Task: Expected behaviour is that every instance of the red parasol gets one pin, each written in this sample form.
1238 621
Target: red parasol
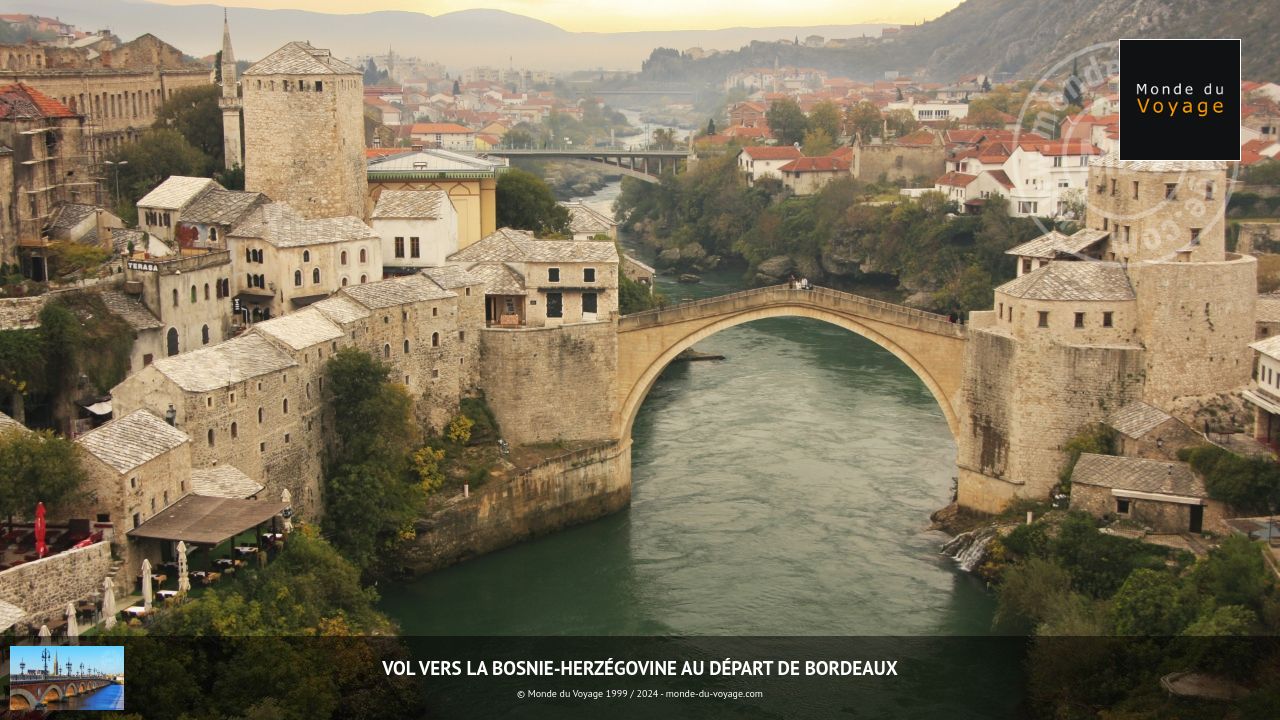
41 548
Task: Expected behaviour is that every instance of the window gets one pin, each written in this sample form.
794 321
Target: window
362 257
344 281
315 276
210 437
386 350
285 405
1079 319
435 312
1001 311
555 305
1208 191
297 278
148 359
193 293
1113 188
262 447
172 341
1027 207
1122 506
462 335
589 302
364 279
589 275
1126 233
399 247
234 431
259 416
435 373
1170 191
206 291
306 256
1044 318
406 347
553 274
1026 265
204 335
175 297
1107 319
137 520
1057 161
414 248
342 257
286 438
1195 236
319 86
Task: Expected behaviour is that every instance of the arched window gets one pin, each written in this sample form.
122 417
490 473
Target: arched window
234 431
364 279
342 257
386 351
435 339
175 297
406 347
210 437
306 256
285 405
213 234
173 340
259 416
344 282
204 335
193 293
362 257
248 279
315 276
206 291
297 277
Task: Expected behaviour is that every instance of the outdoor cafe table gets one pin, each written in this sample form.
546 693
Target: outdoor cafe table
166 594
246 550
135 610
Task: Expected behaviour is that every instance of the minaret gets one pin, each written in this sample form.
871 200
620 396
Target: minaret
232 145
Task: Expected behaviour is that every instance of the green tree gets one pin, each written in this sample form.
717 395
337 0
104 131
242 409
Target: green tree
37 466
664 139
1027 593
1150 602
901 122
711 126
1235 573
153 158
1248 484
787 122
194 113
526 203
863 120
825 116
818 142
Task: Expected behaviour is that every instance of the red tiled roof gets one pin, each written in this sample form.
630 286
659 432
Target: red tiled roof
824 163
918 138
1251 152
440 128
1064 147
20 100
770 152
383 152
956 179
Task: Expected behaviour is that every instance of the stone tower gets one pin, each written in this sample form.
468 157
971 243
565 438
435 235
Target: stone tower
232 142
304 132
1144 303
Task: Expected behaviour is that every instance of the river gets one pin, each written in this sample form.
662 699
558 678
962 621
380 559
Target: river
785 490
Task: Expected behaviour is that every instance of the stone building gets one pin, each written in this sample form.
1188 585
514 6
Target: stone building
585 222
1146 431
1165 496
1263 392
808 175
1164 317
470 182
43 163
194 213
160 210
188 295
419 229
285 261
136 466
920 154
304 132
536 283
118 91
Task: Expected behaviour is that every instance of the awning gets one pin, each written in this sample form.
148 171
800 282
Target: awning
1261 401
207 520
301 302
99 408
255 298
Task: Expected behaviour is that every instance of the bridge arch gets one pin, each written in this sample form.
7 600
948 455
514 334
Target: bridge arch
52 694
20 699
930 345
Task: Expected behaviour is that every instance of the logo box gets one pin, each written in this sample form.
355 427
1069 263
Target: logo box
1180 99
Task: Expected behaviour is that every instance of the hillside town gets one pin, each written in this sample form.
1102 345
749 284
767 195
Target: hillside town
1121 362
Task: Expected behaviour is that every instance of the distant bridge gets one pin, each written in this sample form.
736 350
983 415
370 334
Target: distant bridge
27 692
646 165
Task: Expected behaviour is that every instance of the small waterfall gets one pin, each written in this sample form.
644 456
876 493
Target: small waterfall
969 548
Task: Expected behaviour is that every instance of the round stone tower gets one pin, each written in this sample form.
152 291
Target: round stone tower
304 131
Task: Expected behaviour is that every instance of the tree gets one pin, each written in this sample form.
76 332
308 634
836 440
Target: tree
711 126
37 466
1073 91
1028 591
664 139
1150 602
526 203
863 120
818 142
901 122
825 116
194 113
787 122
153 158
984 113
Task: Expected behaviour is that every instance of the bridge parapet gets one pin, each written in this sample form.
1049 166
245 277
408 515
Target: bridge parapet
783 295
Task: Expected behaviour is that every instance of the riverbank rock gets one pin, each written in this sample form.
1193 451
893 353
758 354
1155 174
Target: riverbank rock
776 268
669 258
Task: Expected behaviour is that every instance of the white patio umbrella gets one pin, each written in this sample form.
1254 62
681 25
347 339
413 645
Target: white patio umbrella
146 585
45 634
108 603
287 499
73 629
184 582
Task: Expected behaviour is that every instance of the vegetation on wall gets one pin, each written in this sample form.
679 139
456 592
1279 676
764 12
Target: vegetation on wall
525 203
1095 438
1248 484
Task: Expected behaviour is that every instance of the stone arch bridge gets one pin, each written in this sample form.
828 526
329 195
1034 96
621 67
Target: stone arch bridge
26 693
646 165
931 345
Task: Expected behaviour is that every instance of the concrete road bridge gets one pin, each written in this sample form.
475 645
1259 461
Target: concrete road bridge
931 345
646 165
25 693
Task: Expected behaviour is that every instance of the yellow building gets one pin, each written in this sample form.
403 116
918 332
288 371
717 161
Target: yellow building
471 183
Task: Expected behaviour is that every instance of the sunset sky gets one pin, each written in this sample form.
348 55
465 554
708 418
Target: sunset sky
623 15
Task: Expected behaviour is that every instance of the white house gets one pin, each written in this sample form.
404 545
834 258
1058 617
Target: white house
761 161
419 229
927 111
446 135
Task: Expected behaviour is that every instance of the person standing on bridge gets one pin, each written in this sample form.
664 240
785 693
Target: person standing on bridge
804 284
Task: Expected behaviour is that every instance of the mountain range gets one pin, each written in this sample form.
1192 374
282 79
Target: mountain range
459 40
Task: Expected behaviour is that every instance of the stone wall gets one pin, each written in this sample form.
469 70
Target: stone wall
1161 517
1258 237
44 587
568 490
550 384
898 162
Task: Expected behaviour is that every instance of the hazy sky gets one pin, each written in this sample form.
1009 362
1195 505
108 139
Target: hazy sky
622 15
